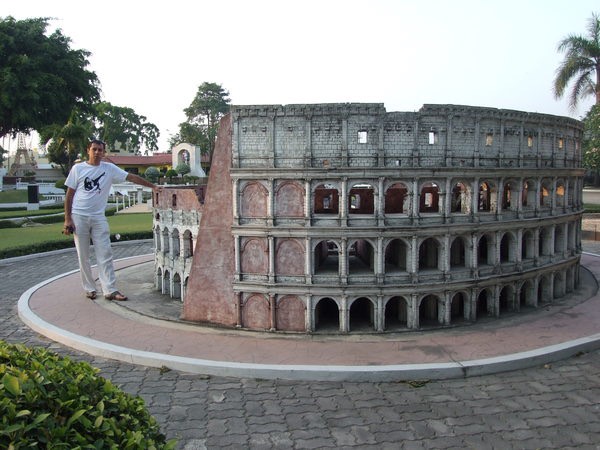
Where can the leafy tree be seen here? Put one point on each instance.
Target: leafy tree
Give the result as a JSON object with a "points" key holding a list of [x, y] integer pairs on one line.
{"points": [[192, 134], [580, 65], [203, 115], [170, 174], [152, 174], [42, 79], [67, 143], [591, 142], [2, 153], [122, 125], [183, 168]]}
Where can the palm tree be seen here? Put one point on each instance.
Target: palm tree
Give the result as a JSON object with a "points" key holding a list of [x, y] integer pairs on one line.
{"points": [[581, 64]]}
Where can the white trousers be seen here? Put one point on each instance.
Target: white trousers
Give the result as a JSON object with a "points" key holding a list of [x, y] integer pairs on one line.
{"points": [[96, 229]]}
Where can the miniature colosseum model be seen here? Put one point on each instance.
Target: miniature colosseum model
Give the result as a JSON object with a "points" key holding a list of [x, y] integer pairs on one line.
{"points": [[344, 218]]}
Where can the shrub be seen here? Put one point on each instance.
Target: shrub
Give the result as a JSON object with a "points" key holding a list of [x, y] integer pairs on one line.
{"points": [[49, 401]]}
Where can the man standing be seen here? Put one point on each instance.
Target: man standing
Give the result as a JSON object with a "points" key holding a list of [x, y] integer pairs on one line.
{"points": [[88, 187]]}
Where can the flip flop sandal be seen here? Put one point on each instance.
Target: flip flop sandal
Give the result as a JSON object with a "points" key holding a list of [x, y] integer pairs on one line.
{"points": [[116, 296], [91, 295]]}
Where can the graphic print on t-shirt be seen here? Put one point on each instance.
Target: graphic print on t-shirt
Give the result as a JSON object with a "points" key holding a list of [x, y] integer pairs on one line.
{"points": [[92, 184]]}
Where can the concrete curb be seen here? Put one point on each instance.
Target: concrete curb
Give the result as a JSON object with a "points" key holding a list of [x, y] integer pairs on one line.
{"points": [[397, 372]]}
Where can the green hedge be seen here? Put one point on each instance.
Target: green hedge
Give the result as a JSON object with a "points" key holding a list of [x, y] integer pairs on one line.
{"points": [[49, 401], [59, 245]]}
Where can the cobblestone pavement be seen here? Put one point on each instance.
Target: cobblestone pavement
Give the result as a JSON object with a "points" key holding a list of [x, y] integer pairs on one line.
{"points": [[549, 407]]}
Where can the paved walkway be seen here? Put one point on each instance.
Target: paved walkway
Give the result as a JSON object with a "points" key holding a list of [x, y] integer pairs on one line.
{"points": [[550, 405]]}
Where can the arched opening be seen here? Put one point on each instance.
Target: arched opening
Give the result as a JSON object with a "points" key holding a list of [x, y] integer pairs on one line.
{"points": [[429, 198], [559, 239], [505, 300], [395, 313], [188, 244], [361, 199], [528, 245], [506, 248], [157, 239], [457, 308], [362, 315], [560, 194], [327, 315], [487, 198], [460, 202], [326, 199], [428, 311], [158, 280], [395, 256], [458, 253], [429, 254], [526, 299], [166, 283], [326, 258], [509, 202], [544, 290], [396, 199], [175, 237], [546, 242], [485, 251], [176, 286], [483, 308], [361, 257], [166, 238], [545, 197]]}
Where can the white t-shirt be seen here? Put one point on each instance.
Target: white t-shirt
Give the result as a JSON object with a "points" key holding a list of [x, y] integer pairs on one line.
{"points": [[92, 186]]}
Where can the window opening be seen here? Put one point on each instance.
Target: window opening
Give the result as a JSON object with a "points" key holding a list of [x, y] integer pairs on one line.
{"points": [[362, 137], [529, 141], [489, 139], [433, 138]]}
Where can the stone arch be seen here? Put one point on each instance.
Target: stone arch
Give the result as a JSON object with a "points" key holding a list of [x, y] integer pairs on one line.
{"points": [[545, 289], [528, 250], [289, 199], [176, 286], [485, 250], [507, 247], [361, 256], [458, 307], [527, 295], [509, 195], [256, 312], [253, 201], [429, 311], [291, 313], [188, 244], [559, 287], [166, 283], [158, 280], [327, 315], [326, 257], [528, 194], [361, 198], [166, 238], [546, 241], [396, 199], [488, 197], [361, 314], [396, 313], [254, 256], [326, 199], [458, 253], [396, 256], [429, 198], [484, 306], [506, 299], [559, 238], [429, 254], [175, 252], [289, 257], [460, 202], [546, 193]]}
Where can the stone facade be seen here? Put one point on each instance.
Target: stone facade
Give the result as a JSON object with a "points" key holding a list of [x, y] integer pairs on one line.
{"points": [[344, 217]]}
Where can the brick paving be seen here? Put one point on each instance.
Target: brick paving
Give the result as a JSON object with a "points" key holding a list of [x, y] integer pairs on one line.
{"points": [[554, 406]]}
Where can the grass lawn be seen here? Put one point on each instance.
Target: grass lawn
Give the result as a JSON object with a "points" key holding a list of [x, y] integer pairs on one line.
{"points": [[15, 196], [120, 223]]}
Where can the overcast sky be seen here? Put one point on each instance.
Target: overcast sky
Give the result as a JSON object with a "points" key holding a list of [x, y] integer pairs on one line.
{"points": [[152, 56]]}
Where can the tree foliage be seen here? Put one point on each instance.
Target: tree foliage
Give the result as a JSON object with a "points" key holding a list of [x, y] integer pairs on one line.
{"points": [[42, 79], [183, 168], [581, 64], [121, 127], [591, 141], [67, 143], [152, 174], [209, 105]]}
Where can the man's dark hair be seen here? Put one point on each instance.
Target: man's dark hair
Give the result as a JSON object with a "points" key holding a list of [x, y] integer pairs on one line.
{"points": [[97, 141]]}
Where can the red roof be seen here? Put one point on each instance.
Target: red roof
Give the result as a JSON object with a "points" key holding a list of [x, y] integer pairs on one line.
{"points": [[158, 159]]}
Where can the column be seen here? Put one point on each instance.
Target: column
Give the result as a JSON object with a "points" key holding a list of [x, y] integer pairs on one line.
{"points": [[270, 202], [271, 241], [344, 317], [238, 307], [237, 256], [379, 205], [273, 307], [343, 261], [308, 260], [309, 314], [343, 200], [235, 201], [308, 196]]}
